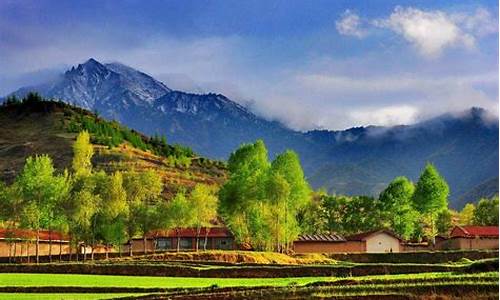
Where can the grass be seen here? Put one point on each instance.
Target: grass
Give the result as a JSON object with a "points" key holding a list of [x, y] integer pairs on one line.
{"points": [[21, 279], [17, 279], [32, 296]]}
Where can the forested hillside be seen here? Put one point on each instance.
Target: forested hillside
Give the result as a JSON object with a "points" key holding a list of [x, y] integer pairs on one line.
{"points": [[49, 127]]}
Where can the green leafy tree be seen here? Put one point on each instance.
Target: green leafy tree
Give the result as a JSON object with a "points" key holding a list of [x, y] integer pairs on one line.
{"points": [[278, 193], [241, 197], [82, 154], [312, 218], [180, 214], [204, 201], [444, 222], [431, 196], [467, 214], [292, 188], [486, 213], [113, 211], [396, 206], [41, 191], [362, 214], [143, 190]]}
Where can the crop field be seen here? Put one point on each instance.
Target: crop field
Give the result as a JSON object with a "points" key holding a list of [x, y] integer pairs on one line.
{"points": [[72, 286], [215, 276]]}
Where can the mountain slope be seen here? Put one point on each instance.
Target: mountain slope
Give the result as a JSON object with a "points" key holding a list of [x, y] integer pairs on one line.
{"points": [[464, 148], [46, 128], [355, 161]]}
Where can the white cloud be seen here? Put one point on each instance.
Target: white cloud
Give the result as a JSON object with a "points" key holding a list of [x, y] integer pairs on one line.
{"points": [[350, 24], [481, 23], [389, 115], [429, 31]]}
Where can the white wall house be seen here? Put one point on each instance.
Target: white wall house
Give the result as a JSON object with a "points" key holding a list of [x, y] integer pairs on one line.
{"points": [[379, 241]]}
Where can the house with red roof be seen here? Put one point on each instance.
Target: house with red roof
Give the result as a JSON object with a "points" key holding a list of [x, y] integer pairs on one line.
{"points": [[184, 239], [470, 237]]}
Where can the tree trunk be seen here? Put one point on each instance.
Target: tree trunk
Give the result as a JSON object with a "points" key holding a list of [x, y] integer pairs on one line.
{"points": [[84, 253], [106, 249], [50, 245], [60, 249], [198, 230], [15, 251], [37, 249], [130, 250], [144, 240], [206, 238], [28, 250], [92, 253], [178, 240]]}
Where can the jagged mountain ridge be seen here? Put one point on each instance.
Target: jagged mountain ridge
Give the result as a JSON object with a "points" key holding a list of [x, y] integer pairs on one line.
{"points": [[355, 161]]}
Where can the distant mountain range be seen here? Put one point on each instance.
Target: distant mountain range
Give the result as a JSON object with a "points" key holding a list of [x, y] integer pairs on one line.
{"points": [[355, 161]]}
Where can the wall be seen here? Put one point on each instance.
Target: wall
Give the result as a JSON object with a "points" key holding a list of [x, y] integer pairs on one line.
{"points": [[382, 243], [25, 249], [468, 243], [328, 247]]}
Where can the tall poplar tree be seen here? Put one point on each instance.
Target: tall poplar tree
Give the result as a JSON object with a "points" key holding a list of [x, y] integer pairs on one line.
{"points": [[431, 196]]}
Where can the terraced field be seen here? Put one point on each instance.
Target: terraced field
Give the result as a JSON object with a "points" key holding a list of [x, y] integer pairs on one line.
{"points": [[63, 286], [215, 275]]}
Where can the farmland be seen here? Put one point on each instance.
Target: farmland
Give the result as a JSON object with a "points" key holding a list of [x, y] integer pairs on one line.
{"points": [[68, 286], [306, 279]]}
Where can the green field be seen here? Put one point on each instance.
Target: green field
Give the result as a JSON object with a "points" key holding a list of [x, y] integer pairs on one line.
{"points": [[143, 281], [362, 285], [31, 296]]}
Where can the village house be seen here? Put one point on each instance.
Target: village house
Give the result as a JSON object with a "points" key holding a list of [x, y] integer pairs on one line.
{"points": [[219, 238], [378, 241], [325, 243], [470, 237]]}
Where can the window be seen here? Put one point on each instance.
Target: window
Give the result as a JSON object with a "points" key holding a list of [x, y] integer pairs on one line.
{"points": [[186, 243], [224, 243], [163, 244]]}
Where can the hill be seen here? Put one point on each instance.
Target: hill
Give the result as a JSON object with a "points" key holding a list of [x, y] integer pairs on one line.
{"points": [[361, 160], [49, 127]]}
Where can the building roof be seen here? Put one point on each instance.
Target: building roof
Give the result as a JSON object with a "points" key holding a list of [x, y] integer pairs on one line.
{"points": [[45, 235], [221, 232], [475, 231], [365, 235], [332, 237]]}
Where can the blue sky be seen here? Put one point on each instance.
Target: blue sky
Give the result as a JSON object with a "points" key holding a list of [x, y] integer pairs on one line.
{"points": [[309, 64]]}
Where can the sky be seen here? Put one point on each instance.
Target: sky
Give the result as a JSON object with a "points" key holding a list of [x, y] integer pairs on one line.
{"points": [[309, 64]]}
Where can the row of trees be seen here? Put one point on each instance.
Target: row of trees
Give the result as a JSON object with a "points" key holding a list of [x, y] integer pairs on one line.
{"points": [[261, 200], [94, 207], [413, 211]]}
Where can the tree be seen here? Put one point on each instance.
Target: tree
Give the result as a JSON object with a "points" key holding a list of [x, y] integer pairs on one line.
{"points": [[467, 214], [82, 207], [362, 214], [444, 222], [241, 197], [291, 187], [82, 154], [143, 189], [396, 206], [180, 213], [486, 213], [204, 201], [431, 196], [113, 211], [278, 193], [41, 192]]}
